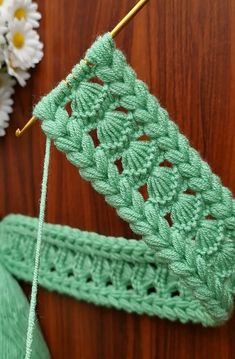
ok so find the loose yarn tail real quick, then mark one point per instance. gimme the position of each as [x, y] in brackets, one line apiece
[33, 300]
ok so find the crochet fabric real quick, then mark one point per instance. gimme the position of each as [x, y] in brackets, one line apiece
[186, 216]
[14, 310]
[111, 271]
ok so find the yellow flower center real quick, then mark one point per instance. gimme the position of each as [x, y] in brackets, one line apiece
[1, 2]
[18, 40]
[20, 13]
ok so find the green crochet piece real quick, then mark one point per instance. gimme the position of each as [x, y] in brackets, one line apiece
[14, 310]
[188, 217]
[110, 271]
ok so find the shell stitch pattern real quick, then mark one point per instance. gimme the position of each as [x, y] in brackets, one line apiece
[188, 215]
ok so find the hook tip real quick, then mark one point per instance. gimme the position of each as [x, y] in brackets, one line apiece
[18, 133]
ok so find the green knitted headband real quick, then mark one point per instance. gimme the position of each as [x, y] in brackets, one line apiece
[187, 221]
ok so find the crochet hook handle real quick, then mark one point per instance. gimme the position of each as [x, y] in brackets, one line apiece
[114, 32]
[128, 17]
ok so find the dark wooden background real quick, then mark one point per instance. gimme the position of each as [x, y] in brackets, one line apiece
[185, 51]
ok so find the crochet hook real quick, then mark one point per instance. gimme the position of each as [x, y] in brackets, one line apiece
[114, 32]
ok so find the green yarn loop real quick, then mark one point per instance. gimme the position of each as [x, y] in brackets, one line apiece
[188, 217]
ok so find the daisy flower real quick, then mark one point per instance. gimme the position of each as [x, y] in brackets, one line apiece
[3, 30]
[23, 10]
[24, 44]
[6, 102]
[3, 8]
[2, 59]
[20, 75]
[20, 50]
[7, 82]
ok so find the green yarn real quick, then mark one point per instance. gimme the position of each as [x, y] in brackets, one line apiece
[188, 218]
[33, 299]
[104, 270]
[14, 310]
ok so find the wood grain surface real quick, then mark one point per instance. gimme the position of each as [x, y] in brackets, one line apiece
[185, 51]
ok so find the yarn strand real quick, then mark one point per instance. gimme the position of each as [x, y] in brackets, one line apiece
[33, 300]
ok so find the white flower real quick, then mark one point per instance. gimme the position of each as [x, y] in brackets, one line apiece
[20, 49]
[3, 8]
[23, 10]
[7, 82]
[24, 45]
[20, 75]
[1, 57]
[6, 102]
[3, 30]
[5, 108]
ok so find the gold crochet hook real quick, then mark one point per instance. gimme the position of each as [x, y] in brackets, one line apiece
[114, 32]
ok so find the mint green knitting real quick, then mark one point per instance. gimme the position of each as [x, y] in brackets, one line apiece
[188, 219]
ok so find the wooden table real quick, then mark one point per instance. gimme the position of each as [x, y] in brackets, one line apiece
[185, 51]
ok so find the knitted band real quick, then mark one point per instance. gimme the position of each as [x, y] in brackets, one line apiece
[110, 271]
[147, 170]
